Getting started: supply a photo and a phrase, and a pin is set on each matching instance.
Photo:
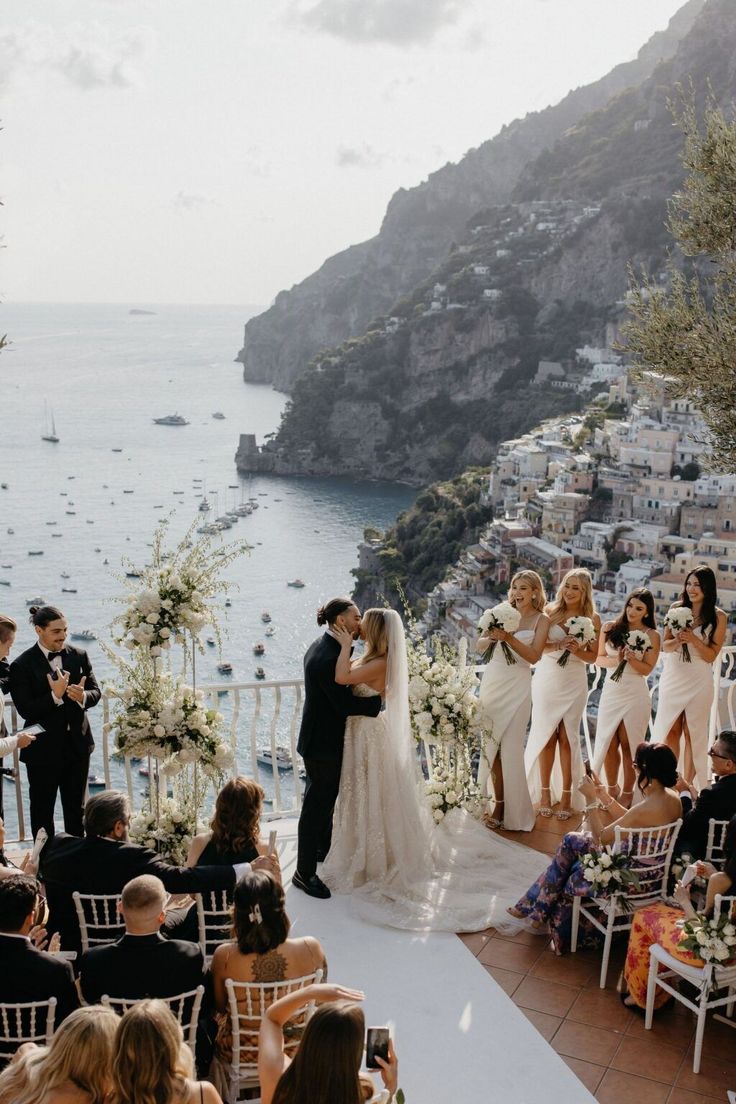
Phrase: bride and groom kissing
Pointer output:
(359, 752)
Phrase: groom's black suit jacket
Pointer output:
(327, 706)
(67, 732)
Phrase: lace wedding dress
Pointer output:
(401, 869)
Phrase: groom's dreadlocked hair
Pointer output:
(330, 611)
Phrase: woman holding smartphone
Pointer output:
(685, 693)
(625, 706)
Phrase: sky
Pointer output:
(171, 151)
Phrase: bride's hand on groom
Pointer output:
(345, 637)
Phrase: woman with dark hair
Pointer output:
(234, 835)
(260, 951)
(625, 706)
(326, 1068)
(685, 693)
(660, 923)
(546, 907)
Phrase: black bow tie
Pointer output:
(54, 655)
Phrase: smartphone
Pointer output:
(588, 768)
(272, 837)
(41, 837)
(689, 874)
(32, 730)
(376, 1044)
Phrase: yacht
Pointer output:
(68, 590)
(94, 782)
(259, 649)
(50, 431)
(298, 583)
(204, 506)
(211, 641)
(283, 758)
(265, 617)
(270, 631)
(219, 415)
(260, 673)
(225, 668)
(171, 419)
(83, 634)
(36, 552)
(4, 582)
(35, 601)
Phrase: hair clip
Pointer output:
(255, 916)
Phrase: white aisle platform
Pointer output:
(457, 1033)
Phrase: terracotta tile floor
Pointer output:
(603, 1042)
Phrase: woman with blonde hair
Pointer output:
(506, 702)
(152, 1064)
(559, 697)
(76, 1068)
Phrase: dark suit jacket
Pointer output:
(140, 966)
(716, 802)
(27, 974)
(96, 865)
(4, 689)
(67, 732)
(327, 706)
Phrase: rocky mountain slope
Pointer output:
(357, 285)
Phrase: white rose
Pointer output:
(164, 633)
(721, 952)
(605, 859)
(701, 937)
(152, 618)
(451, 797)
(159, 731)
(155, 651)
(438, 815)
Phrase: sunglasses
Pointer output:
(717, 755)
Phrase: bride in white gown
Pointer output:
(401, 869)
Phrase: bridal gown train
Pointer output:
(626, 701)
(505, 704)
(558, 694)
(686, 688)
(401, 869)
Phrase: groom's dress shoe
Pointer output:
(313, 887)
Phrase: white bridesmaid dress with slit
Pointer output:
(626, 701)
(686, 688)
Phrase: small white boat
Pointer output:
(259, 648)
(4, 582)
(65, 575)
(228, 601)
(260, 673)
(49, 433)
(35, 552)
(94, 782)
(83, 634)
(172, 420)
(35, 601)
(283, 758)
(219, 415)
(265, 617)
(204, 506)
(225, 668)
(211, 641)
(298, 583)
(68, 590)
(270, 631)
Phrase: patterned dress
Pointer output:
(653, 924)
(549, 900)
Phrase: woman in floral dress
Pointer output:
(546, 907)
(658, 923)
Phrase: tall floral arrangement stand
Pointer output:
(160, 716)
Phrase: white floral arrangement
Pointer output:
(503, 616)
(452, 787)
(714, 941)
(676, 619)
(581, 629)
(638, 642)
(442, 693)
(172, 597)
(609, 873)
(167, 830)
(162, 717)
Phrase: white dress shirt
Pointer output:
(56, 665)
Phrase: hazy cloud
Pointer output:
(190, 201)
(400, 22)
(358, 157)
(86, 55)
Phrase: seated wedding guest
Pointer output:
(76, 1068)
(142, 963)
(658, 923)
(715, 802)
(27, 973)
(7, 868)
(21, 740)
(52, 684)
(260, 951)
(105, 860)
(152, 1064)
(547, 904)
(327, 1064)
(234, 834)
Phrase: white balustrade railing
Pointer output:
(262, 715)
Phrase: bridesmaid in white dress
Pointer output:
(625, 706)
(685, 692)
(559, 697)
(506, 702)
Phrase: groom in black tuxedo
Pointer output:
(327, 707)
(52, 684)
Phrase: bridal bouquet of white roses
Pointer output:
(581, 629)
(503, 616)
(609, 873)
(712, 940)
(676, 619)
(167, 830)
(637, 641)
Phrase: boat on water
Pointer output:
(225, 668)
(265, 756)
(49, 433)
(117, 450)
(36, 602)
(144, 772)
(94, 782)
(57, 534)
(68, 590)
(259, 649)
(131, 574)
(228, 601)
(260, 673)
(219, 415)
(72, 513)
(83, 634)
(210, 641)
(129, 492)
(298, 583)
(65, 575)
(172, 420)
(10, 532)
(52, 523)
(4, 582)
(204, 506)
(265, 617)
(35, 552)
(4, 486)
(6, 567)
(270, 631)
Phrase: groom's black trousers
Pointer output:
(315, 821)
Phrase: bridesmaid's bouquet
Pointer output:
(503, 616)
(637, 641)
(581, 629)
(676, 619)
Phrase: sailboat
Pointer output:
(52, 435)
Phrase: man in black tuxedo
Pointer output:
(52, 684)
(716, 802)
(142, 963)
(327, 707)
(28, 974)
(105, 861)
